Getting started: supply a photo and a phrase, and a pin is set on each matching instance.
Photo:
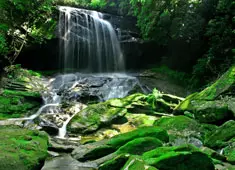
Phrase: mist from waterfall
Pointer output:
(88, 42)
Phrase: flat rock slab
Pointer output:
(68, 163)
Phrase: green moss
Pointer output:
(98, 152)
(120, 140)
(221, 136)
(21, 93)
(178, 123)
(21, 148)
(221, 86)
(185, 104)
(163, 150)
(139, 120)
(182, 157)
(139, 145)
(229, 152)
(15, 104)
(116, 163)
(91, 118)
(183, 161)
(136, 163)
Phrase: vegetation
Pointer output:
(212, 22)
(21, 148)
(22, 23)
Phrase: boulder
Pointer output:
(207, 105)
(220, 137)
(67, 162)
(182, 129)
(136, 138)
(178, 158)
(136, 163)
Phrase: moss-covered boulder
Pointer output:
(126, 162)
(14, 104)
(106, 113)
(22, 149)
(229, 153)
(139, 145)
(178, 158)
(179, 126)
(123, 143)
(220, 137)
(223, 86)
(115, 163)
(94, 116)
(207, 105)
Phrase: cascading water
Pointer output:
(88, 42)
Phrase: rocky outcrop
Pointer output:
(213, 104)
(20, 94)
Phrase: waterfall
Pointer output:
(88, 42)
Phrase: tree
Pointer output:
(23, 22)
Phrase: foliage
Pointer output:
(24, 22)
(165, 20)
(98, 3)
(220, 33)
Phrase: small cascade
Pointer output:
(88, 42)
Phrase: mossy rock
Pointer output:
(229, 153)
(178, 158)
(22, 149)
(205, 105)
(183, 161)
(182, 127)
(120, 140)
(221, 136)
(223, 86)
(116, 163)
(136, 163)
(15, 104)
(94, 116)
(105, 147)
(139, 120)
(139, 145)
(207, 111)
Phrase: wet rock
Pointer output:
(68, 163)
(90, 88)
(22, 149)
(62, 145)
(49, 127)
